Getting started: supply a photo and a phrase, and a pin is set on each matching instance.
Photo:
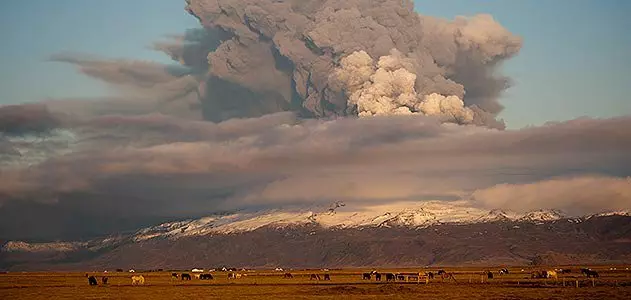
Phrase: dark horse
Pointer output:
(378, 276)
(327, 277)
(430, 275)
(92, 280)
(104, 279)
(589, 273)
(314, 277)
(186, 276)
(205, 277)
(366, 276)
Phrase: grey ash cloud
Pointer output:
(277, 103)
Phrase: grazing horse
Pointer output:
(327, 277)
(378, 276)
(552, 274)
(205, 277)
(288, 275)
(104, 279)
(92, 280)
(185, 276)
(137, 280)
(366, 276)
(589, 273)
(314, 277)
(446, 275)
(390, 277)
(538, 274)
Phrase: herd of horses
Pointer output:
(554, 274)
(401, 276)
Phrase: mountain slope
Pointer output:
(400, 238)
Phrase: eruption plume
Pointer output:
(255, 57)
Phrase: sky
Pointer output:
(128, 144)
(573, 63)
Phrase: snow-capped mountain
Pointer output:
(337, 216)
(402, 233)
(413, 215)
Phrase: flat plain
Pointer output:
(347, 284)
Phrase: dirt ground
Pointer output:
(345, 284)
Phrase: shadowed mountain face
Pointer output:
(591, 241)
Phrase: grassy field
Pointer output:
(347, 284)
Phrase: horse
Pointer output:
(174, 276)
(366, 276)
(378, 276)
(104, 279)
(185, 276)
(429, 275)
(566, 271)
(446, 275)
(288, 275)
(390, 277)
(92, 280)
(552, 274)
(589, 273)
(441, 272)
(205, 276)
(314, 277)
(503, 271)
(327, 277)
(232, 276)
(489, 275)
(538, 274)
(137, 280)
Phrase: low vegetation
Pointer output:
(613, 283)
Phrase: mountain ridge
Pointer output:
(340, 235)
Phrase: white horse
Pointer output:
(137, 280)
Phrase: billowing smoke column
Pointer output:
(287, 50)
(389, 89)
(325, 58)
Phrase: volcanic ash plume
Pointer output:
(322, 58)
(388, 89)
(385, 59)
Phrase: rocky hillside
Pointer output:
(590, 240)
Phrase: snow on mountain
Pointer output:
(19, 246)
(543, 215)
(626, 213)
(408, 214)
(339, 215)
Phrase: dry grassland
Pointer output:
(345, 284)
